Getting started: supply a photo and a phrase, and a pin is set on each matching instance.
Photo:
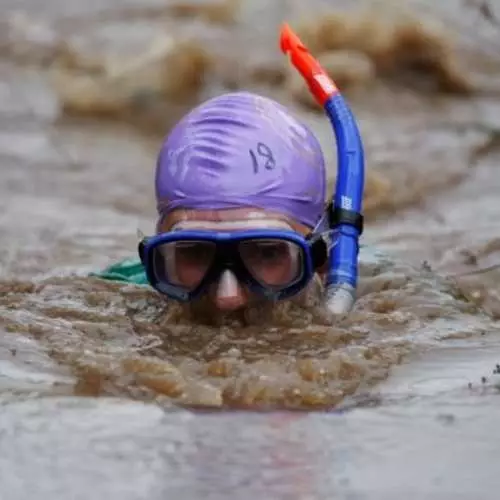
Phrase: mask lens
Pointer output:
(272, 262)
(183, 263)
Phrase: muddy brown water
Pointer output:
(103, 389)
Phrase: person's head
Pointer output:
(240, 184)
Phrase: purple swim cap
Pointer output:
(242, 150)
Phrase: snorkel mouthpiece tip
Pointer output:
(340, 299)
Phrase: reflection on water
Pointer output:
(99, 381)
(438, 445)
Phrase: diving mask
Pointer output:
(273, 263)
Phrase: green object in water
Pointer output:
(127, 271)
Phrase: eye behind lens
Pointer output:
(184, 263)
(272, 262)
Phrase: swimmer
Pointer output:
(240, 188)
(243, 214)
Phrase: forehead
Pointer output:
(245, 218)
(235, 225)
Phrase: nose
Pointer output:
(229, 295)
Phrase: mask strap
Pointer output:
(322, 225)
(323, 230)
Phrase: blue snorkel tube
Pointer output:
(345, 212)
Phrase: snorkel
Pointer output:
(345, 211)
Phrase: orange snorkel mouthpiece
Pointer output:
(320, 84)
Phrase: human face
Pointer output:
(272, 263)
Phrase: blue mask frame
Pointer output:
(314, 255)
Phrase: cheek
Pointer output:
(277, 275)
(283, 271)
(189, 275)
